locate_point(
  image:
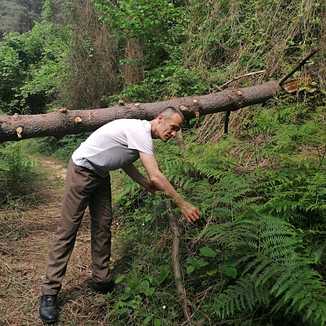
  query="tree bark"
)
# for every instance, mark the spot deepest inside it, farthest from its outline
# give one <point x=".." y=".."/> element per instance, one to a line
<point x="133" y="69"/>
<point x="64" y="121"/>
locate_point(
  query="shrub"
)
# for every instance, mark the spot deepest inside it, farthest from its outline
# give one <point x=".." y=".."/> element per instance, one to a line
<point x="18" y="175"/>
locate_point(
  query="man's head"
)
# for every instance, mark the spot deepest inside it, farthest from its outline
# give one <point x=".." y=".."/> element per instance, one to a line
<point x="167" y="123"/>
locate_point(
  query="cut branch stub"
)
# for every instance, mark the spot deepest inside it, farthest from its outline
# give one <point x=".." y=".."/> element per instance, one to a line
<point x="19" y="132"/>
<point x="78" y="120"/>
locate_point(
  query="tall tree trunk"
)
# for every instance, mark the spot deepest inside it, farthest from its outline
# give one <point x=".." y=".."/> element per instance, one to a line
<point x="92" y="64"/>
<point x="133" y="70"/>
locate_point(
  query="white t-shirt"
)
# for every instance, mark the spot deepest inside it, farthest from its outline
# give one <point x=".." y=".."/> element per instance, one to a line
<point x="114" y="145"/>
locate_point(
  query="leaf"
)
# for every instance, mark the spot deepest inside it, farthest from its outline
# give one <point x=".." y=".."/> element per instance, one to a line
<point x="144" y="284"/>
<point x="147" y="320"/>
<point x="164" y="274"/>
<point x="190" y="269"/>
<point x="212" y="272"/>
<point x="207" y="252"/>
<point x="157" y="322"/>
<point x="119" y="279"/>
<point x="229" y="271"/>
<point x="149" y="291"/>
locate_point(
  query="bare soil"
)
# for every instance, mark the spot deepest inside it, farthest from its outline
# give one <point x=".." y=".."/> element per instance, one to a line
<point x="24" y="240"/>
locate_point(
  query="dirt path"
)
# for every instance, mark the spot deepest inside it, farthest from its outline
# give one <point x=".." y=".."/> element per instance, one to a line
<point x="24" y="239"/>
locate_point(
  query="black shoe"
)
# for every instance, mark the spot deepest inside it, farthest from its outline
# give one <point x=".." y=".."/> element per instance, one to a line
<point x="102" y="287"/>
<point x="48" y="308"/>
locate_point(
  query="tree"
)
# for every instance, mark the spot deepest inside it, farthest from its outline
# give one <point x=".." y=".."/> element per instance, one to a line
<point x="92" y="59"/>
<point x="69" y="122"/>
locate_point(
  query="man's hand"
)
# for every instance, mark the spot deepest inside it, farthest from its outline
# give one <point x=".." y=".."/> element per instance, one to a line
<point x="190" y="212"/>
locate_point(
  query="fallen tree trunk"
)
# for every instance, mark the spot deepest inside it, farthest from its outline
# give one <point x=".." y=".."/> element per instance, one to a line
<point x="64" y="121"/>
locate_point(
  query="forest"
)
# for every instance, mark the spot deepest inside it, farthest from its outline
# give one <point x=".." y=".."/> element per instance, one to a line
<point x="251" y="157"/>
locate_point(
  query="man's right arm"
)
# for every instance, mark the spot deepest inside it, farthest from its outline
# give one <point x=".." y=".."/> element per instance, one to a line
<point x="135" y="175"/>
<point x="190" y="212"/>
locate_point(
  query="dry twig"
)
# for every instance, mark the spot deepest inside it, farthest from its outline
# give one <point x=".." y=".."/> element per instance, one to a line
<point x="186" y="304"/>
<point x="298" y="66"/>
<point x="220" y="88"/>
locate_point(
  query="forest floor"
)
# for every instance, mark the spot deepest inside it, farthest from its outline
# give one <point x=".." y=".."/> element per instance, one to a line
<point x="24" y="239"/>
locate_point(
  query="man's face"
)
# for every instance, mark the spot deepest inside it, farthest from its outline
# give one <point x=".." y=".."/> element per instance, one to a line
<point x="168" y="126"/>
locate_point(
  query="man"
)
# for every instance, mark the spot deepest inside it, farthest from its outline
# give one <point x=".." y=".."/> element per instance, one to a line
<point x="115" y="145"/>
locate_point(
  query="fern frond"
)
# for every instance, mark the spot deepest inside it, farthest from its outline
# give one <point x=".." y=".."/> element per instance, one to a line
<point x="271" y="266"/>
<point x="244" y="296"/>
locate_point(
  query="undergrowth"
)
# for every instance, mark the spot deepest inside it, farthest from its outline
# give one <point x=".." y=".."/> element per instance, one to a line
<point x="18" y="176"/>
<point x="257" y="256"/>
<point x="61" y="148"/>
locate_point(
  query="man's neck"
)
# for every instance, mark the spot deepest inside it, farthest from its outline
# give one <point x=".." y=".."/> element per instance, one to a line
<point x="153" y="128"/>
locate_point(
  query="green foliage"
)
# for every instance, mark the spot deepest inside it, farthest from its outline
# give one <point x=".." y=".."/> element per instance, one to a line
<point x="236" y="36"/>
<point x="48" y="10"/>
<point x="275" y="269"/>
<point x="145" y="18"/>
<point x="62" y="148"/>
<point x="31" y="68"/>
<point x="259" y="249"/>
<point x="158" y="24"/>
<point x="167" y="81"/>
<point x="130" y="304"/>
<point x="17" y="175"/>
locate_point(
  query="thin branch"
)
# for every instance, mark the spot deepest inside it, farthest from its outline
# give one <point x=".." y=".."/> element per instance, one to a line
<point x="298" y="66"/>
<point x="240" y="77"/>
<point x="186" y="304"/>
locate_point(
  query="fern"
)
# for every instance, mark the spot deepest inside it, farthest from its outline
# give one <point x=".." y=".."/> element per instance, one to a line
<point x="248" y="223"/>
<point x="272" y="270"/>
<point x="244" y="296"/>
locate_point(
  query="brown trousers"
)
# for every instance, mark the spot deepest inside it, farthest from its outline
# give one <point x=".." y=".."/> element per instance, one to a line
<point x="82" y="188"/>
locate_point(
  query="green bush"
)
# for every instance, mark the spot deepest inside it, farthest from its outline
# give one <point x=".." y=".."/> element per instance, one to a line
<point x="62" y="148"/>
<point x="157" y="24"/>
<point x="18" y="176"/>
<point x="31" y="68"/>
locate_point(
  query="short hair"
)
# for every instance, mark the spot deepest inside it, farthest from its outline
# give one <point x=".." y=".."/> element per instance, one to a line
<point x="168" y="111"/>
